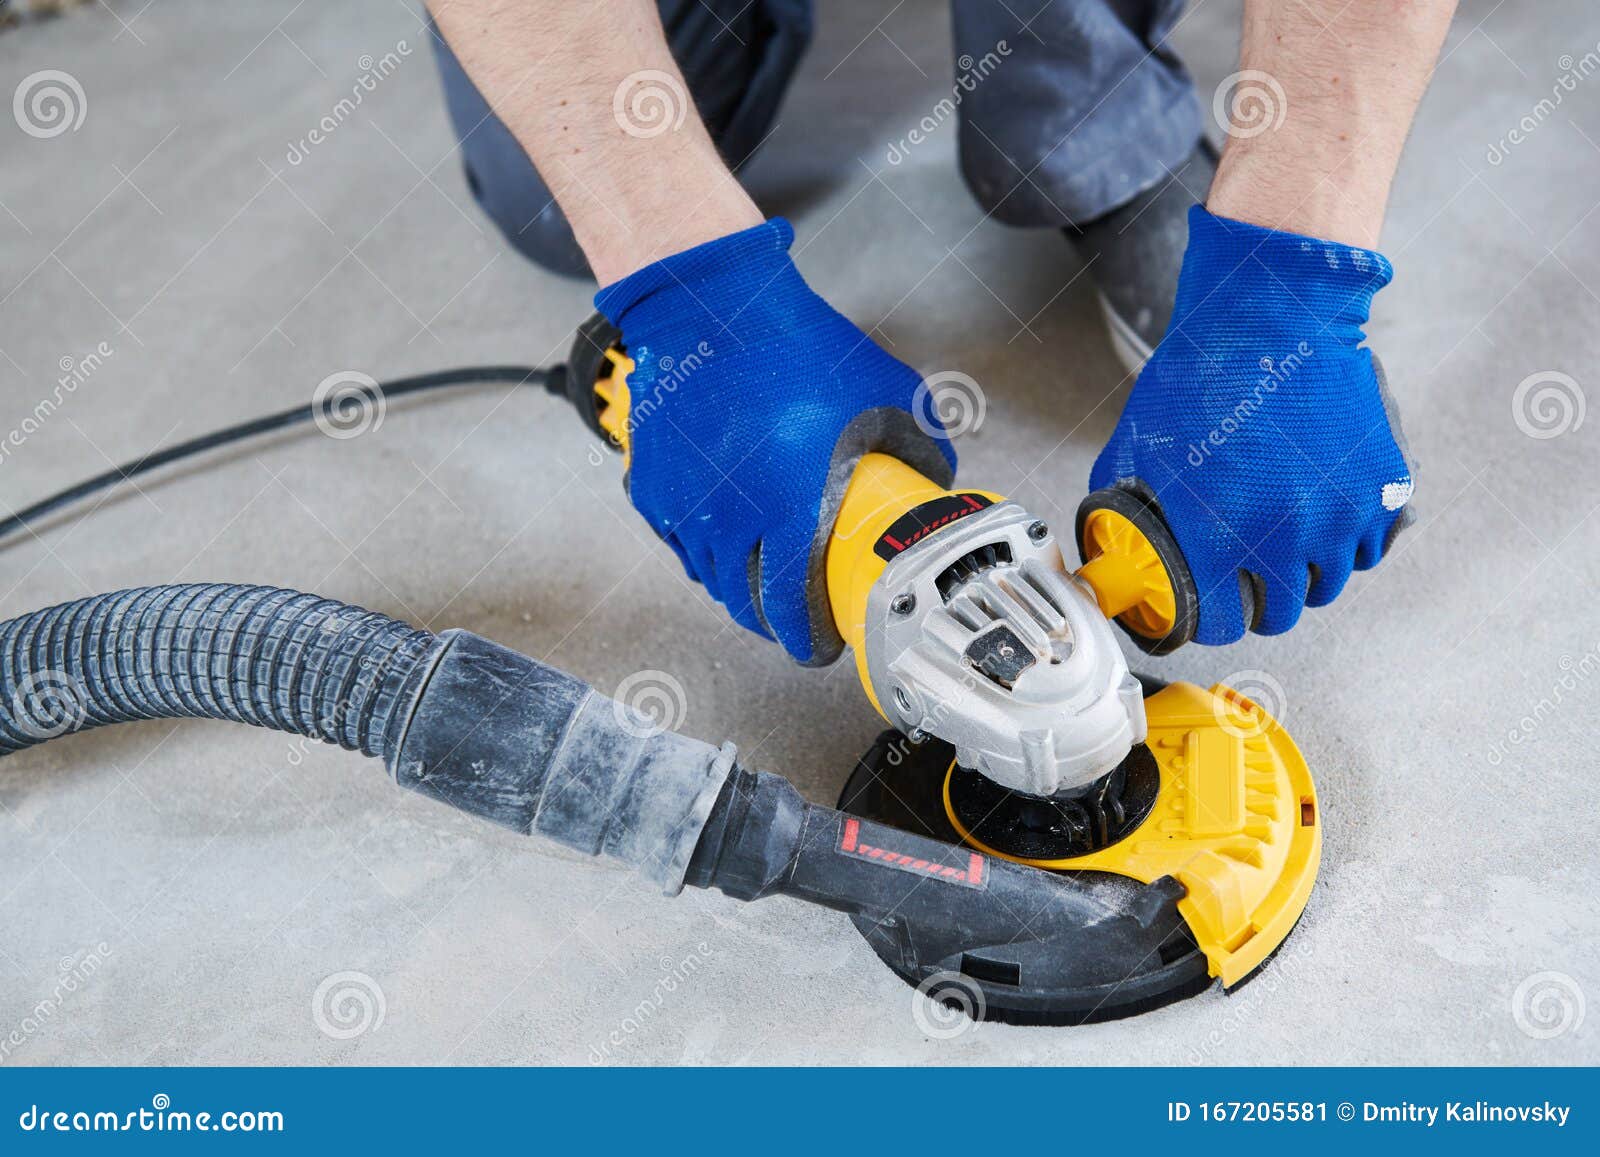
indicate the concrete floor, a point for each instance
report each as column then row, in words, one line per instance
column 216, row 877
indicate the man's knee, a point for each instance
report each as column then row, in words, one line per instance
column 1084, row 109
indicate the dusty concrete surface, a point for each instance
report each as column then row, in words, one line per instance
column 213, row 878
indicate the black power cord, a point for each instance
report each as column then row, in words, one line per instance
column 552, row 378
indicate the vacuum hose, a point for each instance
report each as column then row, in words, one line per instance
column 510, row 739
column 259, row 655
column 454, row 716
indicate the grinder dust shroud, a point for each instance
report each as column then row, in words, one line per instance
column 1201, row 846
column 1196, row 854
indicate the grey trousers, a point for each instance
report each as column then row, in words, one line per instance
column 1068, row 108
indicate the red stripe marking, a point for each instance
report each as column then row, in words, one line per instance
column 850, row 842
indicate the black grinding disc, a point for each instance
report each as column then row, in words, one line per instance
column 1057, row 827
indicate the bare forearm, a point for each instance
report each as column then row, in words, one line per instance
column 1349, row 76
column 635, row 182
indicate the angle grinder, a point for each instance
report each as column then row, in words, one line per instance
column 1017, row 729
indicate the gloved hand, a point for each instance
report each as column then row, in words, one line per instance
column 751, row 402
column 1262, row 426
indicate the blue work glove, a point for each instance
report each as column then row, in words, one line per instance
column 751, row 402
column 1262, row 426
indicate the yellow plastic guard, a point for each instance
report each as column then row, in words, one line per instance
column 1235, row 822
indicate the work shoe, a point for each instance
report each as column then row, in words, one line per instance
column 1134, row 254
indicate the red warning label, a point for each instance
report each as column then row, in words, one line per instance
column 972, row 874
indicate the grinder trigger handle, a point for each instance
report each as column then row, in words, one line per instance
column 597, row 381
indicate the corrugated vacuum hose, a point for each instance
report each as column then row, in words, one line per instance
column 454, row 716
column 259, row 655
